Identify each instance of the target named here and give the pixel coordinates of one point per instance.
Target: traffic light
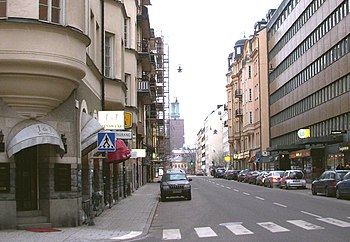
(191, 163)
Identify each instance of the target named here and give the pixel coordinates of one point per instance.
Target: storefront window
(335, 161)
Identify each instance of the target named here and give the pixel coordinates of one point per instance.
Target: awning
(30, 133)
(122, 153)
(89, 130)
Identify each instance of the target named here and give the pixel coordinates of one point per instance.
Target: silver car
(293, 178)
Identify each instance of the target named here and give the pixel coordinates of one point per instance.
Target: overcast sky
(201, 34)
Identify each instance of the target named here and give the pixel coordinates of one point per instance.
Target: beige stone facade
(60, 64)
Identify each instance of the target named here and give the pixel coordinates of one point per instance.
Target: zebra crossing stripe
(336, 222)
(305, 225)
(274, 228)
(205, 232)
(171, 234)
(237, 228)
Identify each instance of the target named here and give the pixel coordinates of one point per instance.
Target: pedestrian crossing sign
(106, 141)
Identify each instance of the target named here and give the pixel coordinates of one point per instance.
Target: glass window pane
(2, 8)
(43, 13)
(55, 15)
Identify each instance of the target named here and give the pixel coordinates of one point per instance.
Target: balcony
(144, 55)
(38, 69)
(144, 90)
(238, 93)
(239, 112)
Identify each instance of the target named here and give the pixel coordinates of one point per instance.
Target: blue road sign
(106, 141)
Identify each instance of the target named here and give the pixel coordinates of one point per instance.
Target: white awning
(89, 130)
(32, 133)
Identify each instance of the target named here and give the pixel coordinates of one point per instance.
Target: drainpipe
(102, 55)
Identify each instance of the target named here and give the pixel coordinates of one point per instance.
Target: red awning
(121, 153)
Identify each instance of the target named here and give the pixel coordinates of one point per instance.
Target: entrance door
(26, 179)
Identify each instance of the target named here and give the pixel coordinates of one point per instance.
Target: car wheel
(313, 191)
(337, 194)
(189, 196)
(327, 192)
(162, 198)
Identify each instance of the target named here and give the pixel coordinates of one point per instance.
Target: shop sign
(123, 135)
(111, 120)
(344, 148)
(136, 153)
(304, 133)
(127, 120)
(300, 154)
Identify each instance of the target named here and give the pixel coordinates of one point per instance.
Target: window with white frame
(51, 10)
(108, 55)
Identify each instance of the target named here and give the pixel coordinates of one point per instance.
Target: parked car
(293, 178)
(273, 179)
(327, 182)
(231, 174)
(175, 184)
(242, 174)
(342, 189)
(253, 176)
(260, 179)
(200, 172)
(219, 172)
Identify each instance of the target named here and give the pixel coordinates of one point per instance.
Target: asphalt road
(223, 210)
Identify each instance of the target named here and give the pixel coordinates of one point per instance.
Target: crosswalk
(239, 229)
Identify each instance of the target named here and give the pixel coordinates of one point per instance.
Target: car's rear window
(340, 175)
(296, 175)
(174, 177)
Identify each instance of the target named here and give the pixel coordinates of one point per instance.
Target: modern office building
(309, 82)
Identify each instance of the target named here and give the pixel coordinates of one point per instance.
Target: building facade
(72, 59)
(308, 45)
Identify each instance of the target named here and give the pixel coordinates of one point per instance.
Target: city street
(224, 210)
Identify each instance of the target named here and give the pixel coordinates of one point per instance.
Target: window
(250, 117)
(249, 72)
(50, 10)
(250, 94)
(108, 55)
(126, 33)
(3, 8)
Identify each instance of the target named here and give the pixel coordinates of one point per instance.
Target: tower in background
(177, 131)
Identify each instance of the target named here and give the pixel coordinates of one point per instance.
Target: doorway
(27, 179)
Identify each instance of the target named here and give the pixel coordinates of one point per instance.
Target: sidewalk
(129, 218)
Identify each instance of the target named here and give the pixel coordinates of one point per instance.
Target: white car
(293, 178)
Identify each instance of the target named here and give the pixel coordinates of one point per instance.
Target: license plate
(296, 181)
(177, 191)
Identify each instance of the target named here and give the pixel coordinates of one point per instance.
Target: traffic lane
(247, 206)
(296, 200)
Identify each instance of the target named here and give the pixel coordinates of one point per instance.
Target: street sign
(123, 134)
(106, 141)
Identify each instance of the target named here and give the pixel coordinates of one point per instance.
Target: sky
(200, 35)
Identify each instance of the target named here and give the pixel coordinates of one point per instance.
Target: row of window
(334, 18)
(49, 10)
(304, 17)
(331, 91)
(323, 128)
(287, 10)
(335, 53)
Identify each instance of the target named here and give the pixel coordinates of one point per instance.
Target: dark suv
(175, 184)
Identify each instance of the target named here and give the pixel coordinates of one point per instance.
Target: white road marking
(274, 228)
(281, 205)
(228, 187)
(235, 190)
(245, 193)
(311, 214)
(222, 185)
(205, 232)
(237, 228)
(169, 234)
(336, 222)
(130, 235)
(305, 225)
(260, 198)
